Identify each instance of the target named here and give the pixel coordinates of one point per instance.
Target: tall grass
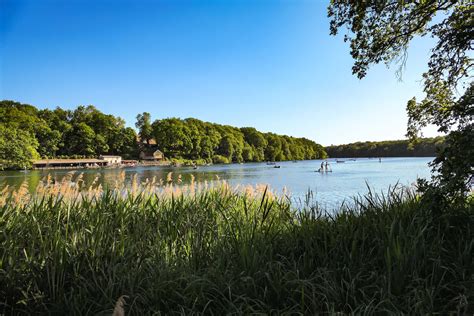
(157, 248)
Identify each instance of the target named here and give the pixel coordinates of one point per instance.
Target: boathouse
(111, 160)
(153, 155)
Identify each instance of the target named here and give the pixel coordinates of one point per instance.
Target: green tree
(226, 147)
(48, 139)
(145, 130)
(82, 140)
(128, 147)
(206, 146)
(17, 148)
(254, 137)
(380, 31)
(248, 153)
(100, 144)
(171, 135)
(273, 150)
(194, 127)
(18, 116)
(58, 121)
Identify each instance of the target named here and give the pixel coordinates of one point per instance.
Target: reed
(215, 249)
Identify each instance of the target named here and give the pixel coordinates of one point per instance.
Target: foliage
(380, 31)
(127, 145)
(194, 139)
(81, 140)
(85, 131)
(453, 160)
(144, 127)
(222, 251)
(424, 147)
(17, 148)
(172, 137)
(220, 159)
(455, 163)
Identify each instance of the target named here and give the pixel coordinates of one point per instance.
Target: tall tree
(381, 30)
(226, 147)
(171, 135)
(273, 150)
(82, 140)
(128, 146)
(145, 130)
(207, 150)
(48, 139)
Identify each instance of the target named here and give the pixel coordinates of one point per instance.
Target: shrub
(220, 159)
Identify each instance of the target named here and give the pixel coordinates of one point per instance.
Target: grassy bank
(214, 249)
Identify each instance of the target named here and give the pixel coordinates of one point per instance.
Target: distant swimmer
(380, 159)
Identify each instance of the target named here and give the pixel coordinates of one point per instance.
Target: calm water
(347, 179)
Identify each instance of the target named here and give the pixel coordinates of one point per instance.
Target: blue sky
(264, 63)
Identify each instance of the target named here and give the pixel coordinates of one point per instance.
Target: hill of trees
(424, 147)
(28, 133)
(194, 139)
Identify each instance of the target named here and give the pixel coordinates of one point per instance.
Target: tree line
(424, 147)
(28, 133)
(195, 139)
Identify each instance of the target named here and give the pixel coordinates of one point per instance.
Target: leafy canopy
(194, 139)
(379, 31)
(17, 148)
(85, 131)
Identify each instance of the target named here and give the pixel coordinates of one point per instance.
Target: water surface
(345, 181)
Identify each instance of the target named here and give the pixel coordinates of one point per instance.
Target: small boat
(195, 167)
(276, 167)
(322, 170)
(340, 161)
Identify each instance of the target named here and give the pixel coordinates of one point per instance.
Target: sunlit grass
(215, 249)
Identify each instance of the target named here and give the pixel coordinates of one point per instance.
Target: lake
(345, 181)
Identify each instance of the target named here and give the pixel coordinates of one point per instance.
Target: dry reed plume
(72, 188)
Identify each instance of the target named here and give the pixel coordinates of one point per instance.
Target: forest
(194, 139)
(423, 147)
(28, 133)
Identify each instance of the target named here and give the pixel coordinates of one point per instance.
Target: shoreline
(190, 164)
